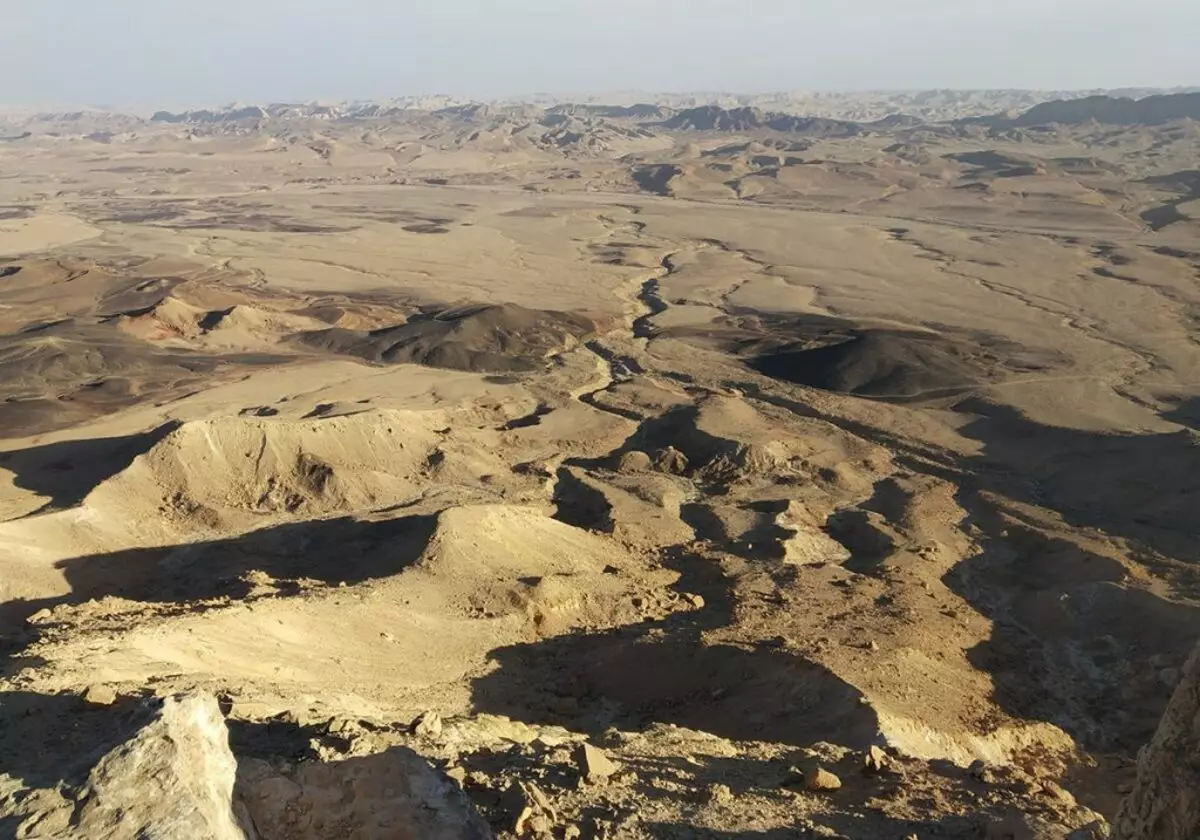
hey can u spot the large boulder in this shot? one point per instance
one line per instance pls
(173, 780)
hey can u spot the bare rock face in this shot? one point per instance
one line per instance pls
(173, 780)
(1165, 801)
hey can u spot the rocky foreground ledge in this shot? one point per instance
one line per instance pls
(165, 771)
(176, 778)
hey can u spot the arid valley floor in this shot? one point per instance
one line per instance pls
(732, 443)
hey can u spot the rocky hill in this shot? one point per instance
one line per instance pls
(714, 118)
(1153, 110)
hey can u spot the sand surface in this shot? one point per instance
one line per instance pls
(729, 449)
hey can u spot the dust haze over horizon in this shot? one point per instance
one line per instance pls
(138, 52)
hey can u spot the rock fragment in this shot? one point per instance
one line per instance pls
(635, 462)
(531, 810)
(594, 765)
(720, 795)
(671, 460)
(876, 760)
(100, 695)
(428, 725)
(819, 779)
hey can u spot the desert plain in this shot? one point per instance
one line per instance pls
(640, 468)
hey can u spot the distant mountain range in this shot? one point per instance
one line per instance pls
(713, 118)
(1153, 110)
(857, 113)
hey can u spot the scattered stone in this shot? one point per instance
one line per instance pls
(594, 765)
(634, 462)
(872, 646)
(100, 695)
(983, 772)
(530, 809)
(876, 760)
(519, 808)
(539, 798)
(807, 544)
(458, 774)
(1021, 826)
(1056, 791)
(720, 795)
(696, 601)
(671, 460)
(820, 779)
(1169, 677)
(428, 725)
(344, 727)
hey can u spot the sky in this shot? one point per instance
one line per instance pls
(211, 52)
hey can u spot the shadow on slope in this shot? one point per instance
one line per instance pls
(332, 551)
(67, 471)
(1077, 640)
(883, 363)
(632, 679)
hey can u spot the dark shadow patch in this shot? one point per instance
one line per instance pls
(1163, 216)
(1074, 641)
(905, 366)
(994, 164)
(1186, 183)
(1186, 413)
(8, 213)
(656, 178)
(1071, 632)
(577, 504)
(256, 222)
(334, 551)
(534, 418)
(869, 545)
(629, 679)
(56, 739)
(883, 364)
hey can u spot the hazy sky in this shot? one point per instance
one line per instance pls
(176, 52)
